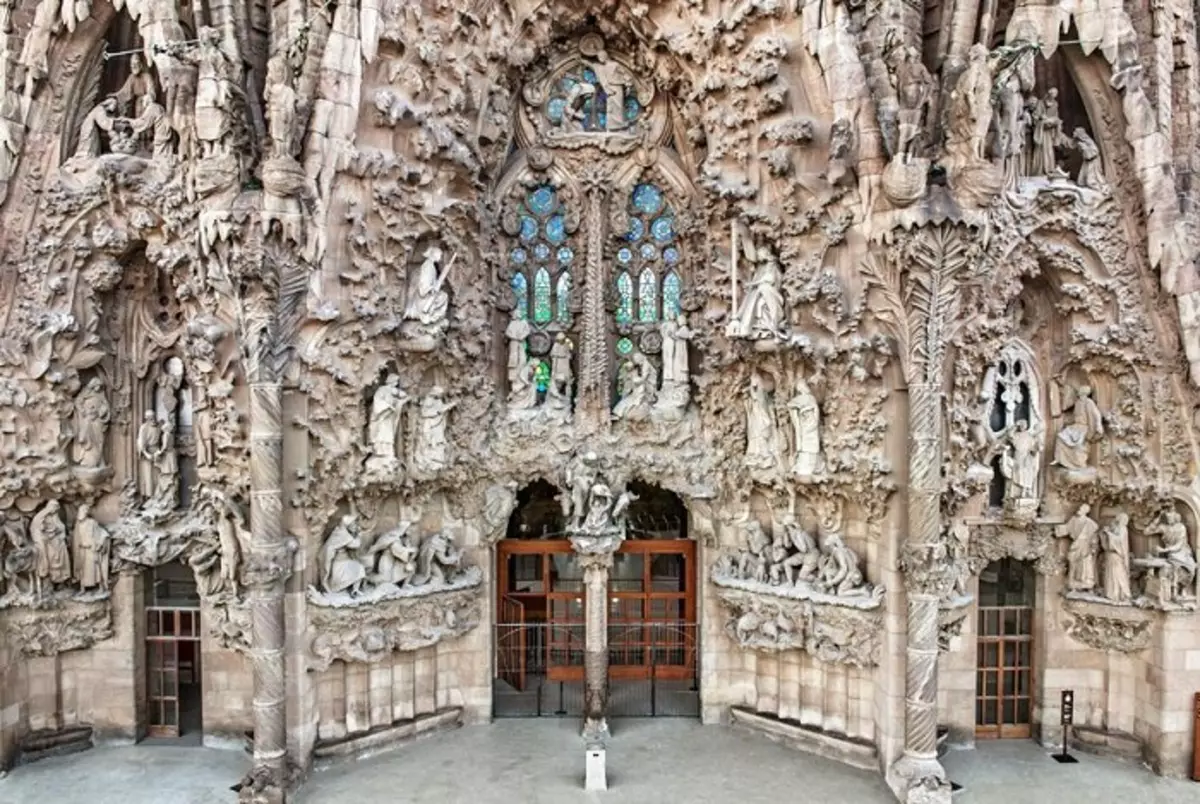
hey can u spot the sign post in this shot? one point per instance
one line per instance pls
(1068, 717)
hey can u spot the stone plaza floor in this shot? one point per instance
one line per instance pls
(541, 762)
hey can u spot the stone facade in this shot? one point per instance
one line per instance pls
(301, 297)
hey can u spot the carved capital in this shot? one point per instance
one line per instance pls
(268, 567)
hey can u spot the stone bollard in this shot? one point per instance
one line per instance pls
(596, 777)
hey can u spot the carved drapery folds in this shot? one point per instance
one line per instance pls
(829, 632)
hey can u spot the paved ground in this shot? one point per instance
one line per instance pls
(541, 762)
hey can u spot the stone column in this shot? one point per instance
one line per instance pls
(593, 399)
(596, 567)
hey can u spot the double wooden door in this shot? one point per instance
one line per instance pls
(172, 660)
(1004, 670)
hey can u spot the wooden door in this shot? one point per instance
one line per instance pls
(511, 643)
(1004, 672)
(166, 629)
(652, 614)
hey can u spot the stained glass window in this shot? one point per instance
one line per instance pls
(541, 376)
(521, 295)
(580, 97)
(624, 299)
(541, 296)
(647, 296)
(670, 293)
(563, 302)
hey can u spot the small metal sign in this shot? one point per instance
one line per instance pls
(1067, 718)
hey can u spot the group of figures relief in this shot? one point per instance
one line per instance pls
(770, 441)
(427, 448)
(353, 567)
(1100, 566)
(40, 560)
(794, 563)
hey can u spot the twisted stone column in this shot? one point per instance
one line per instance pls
(596, 568)
(593, 389)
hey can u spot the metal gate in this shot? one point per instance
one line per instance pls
(653, 670)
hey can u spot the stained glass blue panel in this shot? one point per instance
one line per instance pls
(671, 290)
(542, 252)
(556, 229)
(541, 200)
(563, 302)
(541, 375)
(518, 256)
(566, 255)
(624, 299)
(632, 108)
(649, 252)
(647, 296)
(567, 83)
(520, 294)
(541, 296)
(624, 256)
(624, 346)
(589, 76)
(637, 229)
(663, 229)
(529, 228)
(670, 255)
(647, 199)
(555, 109)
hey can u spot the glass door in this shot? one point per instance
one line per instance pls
(1004, 673)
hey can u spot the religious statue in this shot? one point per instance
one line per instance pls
(1091, 172)
(581, 473)
(840, 574)
(762, 440)
(561, 376)
(1020, 462)
(52, 559)
(523, 395)
(92, 415)
(340, 569)
(17, 568)
(205, 561)
(282, 102)
(103, 118)
(805, 416)
(639, 388)
(802, 565)
(1081, 556)
(841, 151)
(383, 424)
(970, 112)
(140, 92)
(395, 557)
(960, 548)
(217, 84)
(202, 420)
(429, 442)
(166, 486)
(166, 390)
(761, 312)
(428, 306)
(231, 522)
(913, 90)
(92, 545)
(438, 560)
(516, 332)
(1074, 440)
(753, 561)
(613, 79)
(1047, 135)
(675, 371)
(1114, 541)
(149, 442)
(1012, 126)
(1180, 556)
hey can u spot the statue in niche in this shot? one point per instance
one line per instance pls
(428, 307)
(217, 84)
(675, 377)
(166, 390)
(340, 569)
(1081, 555)
(1074, 440)
(753, 562)
(1012, 127)
(970, 112)
(92, 415)
(52, 559)
(92, 547)
(803, 564)
(394, 556)
(1177, 550)
(429, 447)
(17, 554)
(761, 312)
(805, 415)
(1091, 172)
(639, 388)
(558, 393)
(613, 79)
(1114, 541)
(231, 523)
(1020, 461)
(913, 90)
(149, 442)
(1048, 135)
(281, 101)
(103, 118)
(166, 485)
(438, 561)
(140, 92)
(516, 332)
(383, 425)
(762, 438)
(202, 420)
(523, 395)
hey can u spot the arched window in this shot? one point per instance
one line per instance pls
(647, 296)
(671, 296)
(624, 298)
(541, 296)
(540, 258)
(563, 301)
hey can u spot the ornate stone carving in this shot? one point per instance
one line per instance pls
(1082, 554)
(70, 625)
(831, 633)
(1125, 630)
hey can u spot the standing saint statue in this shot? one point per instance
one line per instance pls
(805, 415)
(52, 559)
(149, 442)
(216, 85)
(1047, 135)
(429, 447)
(92, 546)
(166, 486)
(1081, 556)
(913, 88)
(561, 375)
(383, 424)
(281, 101)
(92, 415)
(613, 79)
(762, 438)
(1020, 461)
(675, 371)
(516, 332)
(1114, 540)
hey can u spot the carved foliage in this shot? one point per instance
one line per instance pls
(831, 633)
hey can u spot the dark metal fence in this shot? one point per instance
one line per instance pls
(653, 670)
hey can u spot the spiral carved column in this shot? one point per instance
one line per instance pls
(596, 568)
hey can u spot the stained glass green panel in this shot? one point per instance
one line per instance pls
(624, 299)
(624, 346)
(541, 375)
(671, 291)
(520, 290)
(563, 302)
(647, 296)
(541, 296)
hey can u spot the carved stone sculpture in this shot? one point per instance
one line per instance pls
(149, 443)
(438, 561)
(92, 546)
(17, 561)
(675, 390)
(384, 424)
(1114, 540)
(341, 571)
(639, 389)
(761, 312)
(1091, 171)
(762, 435)
(429, 442)
(92, 415)
(52, 558)
(1177, 550)
(1047, 135)
(913, 88)
(516, 332)
(1081, 555)
(1020, 464)
(1074, 440)
(427, 310)
(558, 392)
(231, 523)
(805, 415)
(395, 557)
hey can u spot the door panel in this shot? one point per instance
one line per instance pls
(1004, 677)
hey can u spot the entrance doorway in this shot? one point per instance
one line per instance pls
(540, 629)
(1004, 672)
(173, 688)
